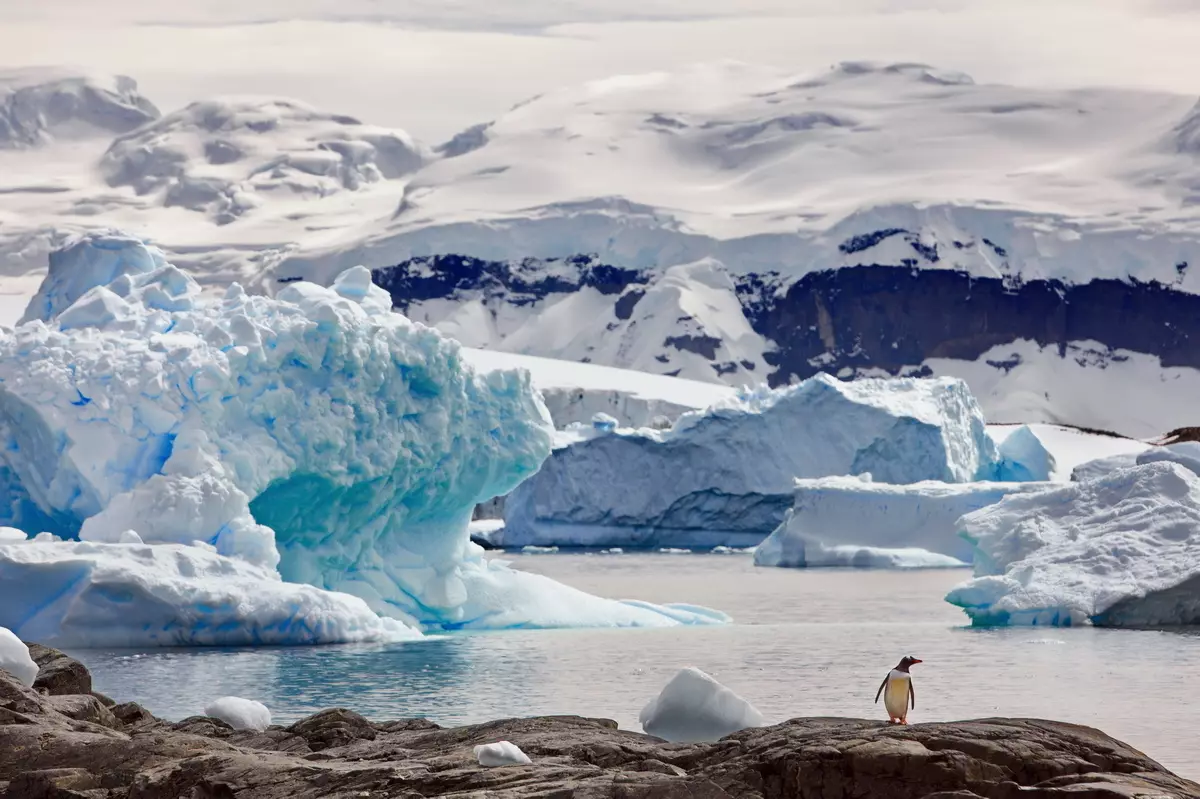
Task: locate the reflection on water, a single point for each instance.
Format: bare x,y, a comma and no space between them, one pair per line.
812,642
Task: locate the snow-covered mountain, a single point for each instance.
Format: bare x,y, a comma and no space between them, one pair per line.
769,171
727,223
221,157
1106,354
39,106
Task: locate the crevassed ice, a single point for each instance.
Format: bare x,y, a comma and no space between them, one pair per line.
1122,550
315,432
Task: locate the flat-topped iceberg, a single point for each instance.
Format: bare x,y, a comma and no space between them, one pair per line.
315,432
78,593
1118,550
724,475
1185,453
848,521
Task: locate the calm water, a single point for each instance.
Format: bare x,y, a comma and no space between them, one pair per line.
805,642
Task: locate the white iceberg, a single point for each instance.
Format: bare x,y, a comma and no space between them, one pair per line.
239,713
693,707
83,594
11,535
315,432
501,753
1185,453
724,476
1024,457
15,659
1099,467
847,521
1119,550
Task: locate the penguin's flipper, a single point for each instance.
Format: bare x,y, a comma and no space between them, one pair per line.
882,685
912,694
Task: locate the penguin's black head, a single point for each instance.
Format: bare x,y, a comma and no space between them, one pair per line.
909,660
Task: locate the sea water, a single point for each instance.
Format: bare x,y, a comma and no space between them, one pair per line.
813,642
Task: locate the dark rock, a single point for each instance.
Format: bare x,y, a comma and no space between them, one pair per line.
63,676
84,707
878,316
59,747
42,655
333,727
107,701
58,783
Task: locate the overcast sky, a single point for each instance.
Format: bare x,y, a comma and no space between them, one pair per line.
436,66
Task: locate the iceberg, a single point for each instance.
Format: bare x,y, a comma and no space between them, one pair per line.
15,659
501,753
1119,550
724,476
1099,467
83,594
848,521
315,436
241,714
694,708
1024,458
1185,453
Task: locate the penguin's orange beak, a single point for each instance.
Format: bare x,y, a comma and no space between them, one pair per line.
917,660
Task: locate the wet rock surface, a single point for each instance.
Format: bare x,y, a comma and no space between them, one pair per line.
73,746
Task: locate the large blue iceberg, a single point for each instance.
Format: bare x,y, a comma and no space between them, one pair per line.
315,433
725,475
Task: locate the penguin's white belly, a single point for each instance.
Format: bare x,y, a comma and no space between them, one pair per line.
895,696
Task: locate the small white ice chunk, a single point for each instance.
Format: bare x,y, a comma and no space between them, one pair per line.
501,753
241,714
14,658
693,708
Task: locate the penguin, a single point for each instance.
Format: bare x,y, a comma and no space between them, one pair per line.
897,690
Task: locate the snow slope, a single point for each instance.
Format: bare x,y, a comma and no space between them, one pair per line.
766,170
224,157
1070,447
1119,550
724,475
39,106
317,431
575,392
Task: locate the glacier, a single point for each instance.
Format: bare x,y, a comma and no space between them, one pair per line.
725,475
848,521
1118,550
315,434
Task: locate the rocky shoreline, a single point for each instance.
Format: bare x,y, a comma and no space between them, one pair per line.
61,740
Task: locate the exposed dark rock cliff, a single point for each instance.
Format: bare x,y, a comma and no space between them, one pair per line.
888,317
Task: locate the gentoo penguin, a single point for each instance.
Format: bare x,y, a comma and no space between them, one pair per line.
897,690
